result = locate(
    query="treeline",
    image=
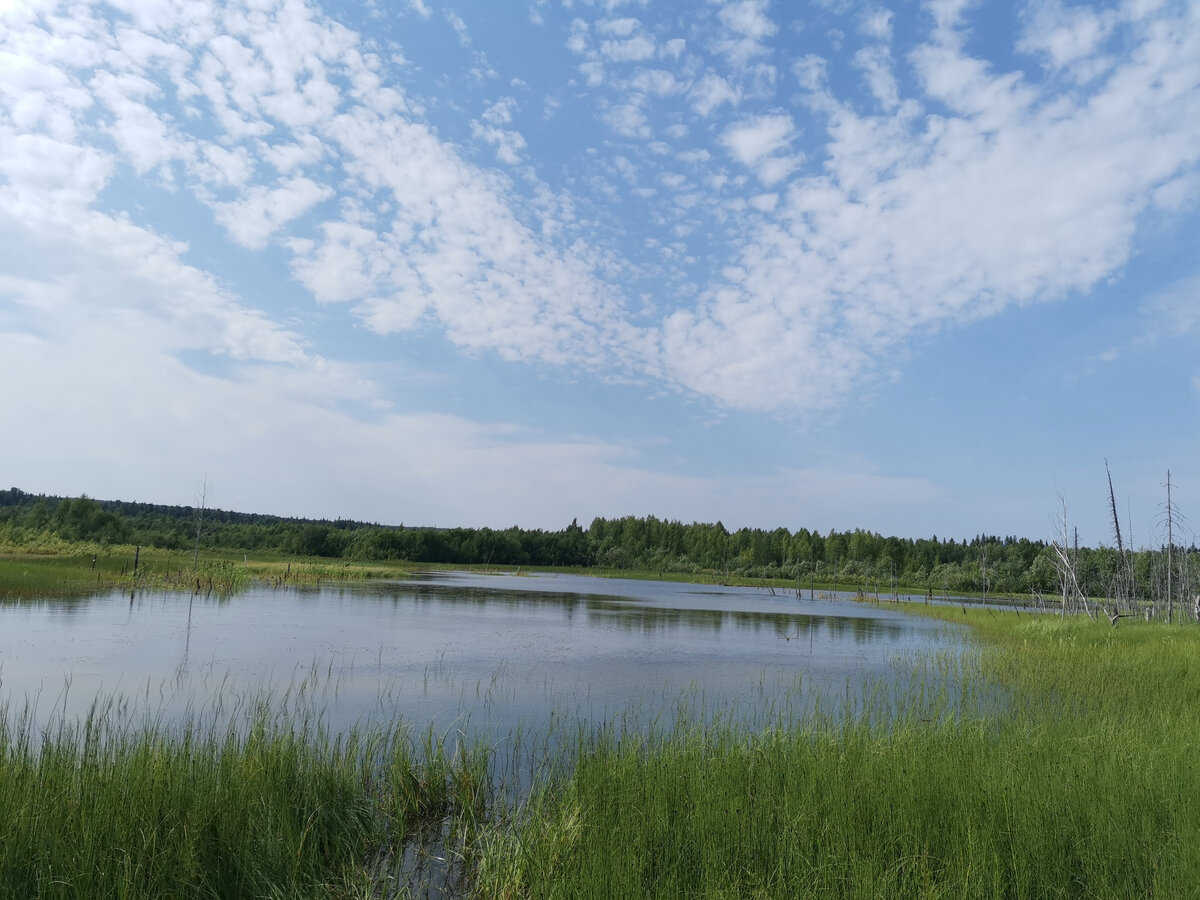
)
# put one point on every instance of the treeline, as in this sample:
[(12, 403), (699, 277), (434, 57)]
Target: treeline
[(863, 559)]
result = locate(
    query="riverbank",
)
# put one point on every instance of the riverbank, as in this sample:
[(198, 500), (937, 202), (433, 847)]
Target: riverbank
[(47, 566), (56, 569)]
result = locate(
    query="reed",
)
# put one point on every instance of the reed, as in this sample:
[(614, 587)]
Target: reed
[(267, 804), (30, 575), (1063, 766)]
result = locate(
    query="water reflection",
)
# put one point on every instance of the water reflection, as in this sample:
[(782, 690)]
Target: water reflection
[(632, 613), (499, 652)]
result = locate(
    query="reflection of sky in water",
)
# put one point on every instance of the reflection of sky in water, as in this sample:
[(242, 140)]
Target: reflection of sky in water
[(497, 651)]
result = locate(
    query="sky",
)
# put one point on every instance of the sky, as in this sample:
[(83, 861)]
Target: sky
[(917, 268)]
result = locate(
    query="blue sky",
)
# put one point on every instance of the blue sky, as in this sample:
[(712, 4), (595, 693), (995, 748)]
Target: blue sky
[(918, 268)]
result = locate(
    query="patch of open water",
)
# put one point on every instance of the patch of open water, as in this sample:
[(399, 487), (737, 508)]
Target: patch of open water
[(485, 654)]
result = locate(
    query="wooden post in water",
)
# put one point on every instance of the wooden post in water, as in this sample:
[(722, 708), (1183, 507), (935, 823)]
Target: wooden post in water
[(137, 552)]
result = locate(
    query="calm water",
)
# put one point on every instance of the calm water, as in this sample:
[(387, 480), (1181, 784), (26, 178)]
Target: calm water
[(476, 652)]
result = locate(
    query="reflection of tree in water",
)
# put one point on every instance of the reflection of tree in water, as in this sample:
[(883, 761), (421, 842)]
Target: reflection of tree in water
[(459, 595), (652, 618), (781, 624), (67, 606), (630, 615)]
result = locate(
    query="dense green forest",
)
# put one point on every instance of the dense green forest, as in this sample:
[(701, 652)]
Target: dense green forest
[(985, 564)]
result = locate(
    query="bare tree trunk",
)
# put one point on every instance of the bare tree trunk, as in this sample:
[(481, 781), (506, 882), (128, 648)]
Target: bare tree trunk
[(983, 572), (1170, 541), (1122, 587), (1066, 574), (200, 521), (1112, 500)]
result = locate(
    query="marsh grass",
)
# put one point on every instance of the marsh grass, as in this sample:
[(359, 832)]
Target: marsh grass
[(29, 575), (51, 568), (266, 804), (1065, 765)]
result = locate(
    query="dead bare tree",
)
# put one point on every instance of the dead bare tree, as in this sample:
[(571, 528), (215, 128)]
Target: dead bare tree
[(1172, 521), (203, 501), (984, 579), (1122, 586), (1067, 564), (1170, 544)]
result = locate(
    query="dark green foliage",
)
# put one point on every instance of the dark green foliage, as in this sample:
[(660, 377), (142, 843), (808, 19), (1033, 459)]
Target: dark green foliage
[(855, 559)]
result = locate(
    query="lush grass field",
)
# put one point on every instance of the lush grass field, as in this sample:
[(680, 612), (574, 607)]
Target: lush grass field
[(1076, 775)]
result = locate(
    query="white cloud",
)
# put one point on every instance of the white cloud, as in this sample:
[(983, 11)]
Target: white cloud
[(261, 211), (674, 48), (593, 71), (628, 119), (756, 142), (509, 144), (266, 437), (500, 112), (286, 158), (1175, 311), (656, 82), (875, 63), (765, 202), (1069, 38), (621, 28), (577, 41), (48, 177), (346, 265), (746, 26), (919, 220), (710, 92), (877, 24), (811, 72), (451, 241), (984, 188), (635, 49), (459, 26), (108, 270)]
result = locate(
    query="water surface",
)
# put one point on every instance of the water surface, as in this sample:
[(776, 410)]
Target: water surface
[(485, 653)]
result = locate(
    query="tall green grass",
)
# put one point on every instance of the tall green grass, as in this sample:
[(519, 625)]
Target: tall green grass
[(268, 805), (27, 576), (1073, 772)]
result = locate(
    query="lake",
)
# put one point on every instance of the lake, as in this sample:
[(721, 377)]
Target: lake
[(481, 654)]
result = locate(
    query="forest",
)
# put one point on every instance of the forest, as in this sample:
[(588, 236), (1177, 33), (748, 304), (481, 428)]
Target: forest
[(985, 564)]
